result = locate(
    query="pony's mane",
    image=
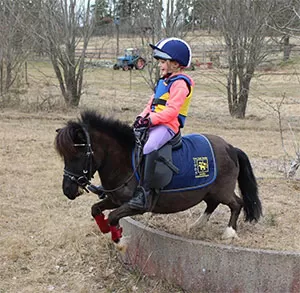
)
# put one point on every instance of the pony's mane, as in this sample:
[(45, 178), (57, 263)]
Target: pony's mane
[(91, 120), (115, 128)]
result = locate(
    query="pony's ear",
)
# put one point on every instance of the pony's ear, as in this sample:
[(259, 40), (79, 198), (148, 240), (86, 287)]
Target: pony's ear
[(58, 130)]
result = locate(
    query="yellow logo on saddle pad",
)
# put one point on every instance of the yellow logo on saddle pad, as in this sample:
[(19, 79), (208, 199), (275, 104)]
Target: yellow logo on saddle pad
[(201, 167)]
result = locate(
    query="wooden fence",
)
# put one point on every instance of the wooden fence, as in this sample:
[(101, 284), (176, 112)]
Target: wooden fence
[(203, 53)]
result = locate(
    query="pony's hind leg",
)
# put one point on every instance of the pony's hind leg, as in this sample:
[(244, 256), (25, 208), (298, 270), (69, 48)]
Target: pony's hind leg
[(204, 218), (235, 207)]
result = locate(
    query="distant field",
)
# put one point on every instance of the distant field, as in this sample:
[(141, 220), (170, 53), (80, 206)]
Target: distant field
[(205, 47)]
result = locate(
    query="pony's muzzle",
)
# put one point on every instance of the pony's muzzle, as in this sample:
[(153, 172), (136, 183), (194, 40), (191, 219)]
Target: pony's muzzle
[(71, 189)]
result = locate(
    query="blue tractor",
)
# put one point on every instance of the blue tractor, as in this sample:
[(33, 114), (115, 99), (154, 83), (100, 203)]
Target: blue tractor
[(130, 60)]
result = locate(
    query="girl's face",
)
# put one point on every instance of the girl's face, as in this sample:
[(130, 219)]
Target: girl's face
[(167, 66), (163, 66)]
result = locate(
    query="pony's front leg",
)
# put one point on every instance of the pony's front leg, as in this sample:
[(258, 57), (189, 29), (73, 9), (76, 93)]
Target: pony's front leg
[(97, 213), (114, 218)]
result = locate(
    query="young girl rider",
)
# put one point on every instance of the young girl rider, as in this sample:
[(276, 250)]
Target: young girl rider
[(166, 110)]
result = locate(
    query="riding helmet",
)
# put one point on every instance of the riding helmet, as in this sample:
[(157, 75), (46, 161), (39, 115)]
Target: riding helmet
[(173, 49)]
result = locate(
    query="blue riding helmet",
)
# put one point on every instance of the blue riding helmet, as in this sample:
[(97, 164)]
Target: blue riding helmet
[(173, 49)]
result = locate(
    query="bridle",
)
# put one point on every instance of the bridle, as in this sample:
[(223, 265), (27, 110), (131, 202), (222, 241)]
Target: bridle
[(83, 179)]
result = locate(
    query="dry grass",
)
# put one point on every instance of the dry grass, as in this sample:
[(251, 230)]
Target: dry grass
[(47, 242), (50, 244)]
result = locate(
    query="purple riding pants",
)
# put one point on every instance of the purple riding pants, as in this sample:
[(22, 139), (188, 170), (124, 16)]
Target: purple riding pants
[(158, 136)]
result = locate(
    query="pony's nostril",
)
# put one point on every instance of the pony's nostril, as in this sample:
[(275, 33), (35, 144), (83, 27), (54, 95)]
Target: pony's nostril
[(70, 191)]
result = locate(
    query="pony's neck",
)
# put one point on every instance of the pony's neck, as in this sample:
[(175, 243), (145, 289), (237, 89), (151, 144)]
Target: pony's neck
[(115, 167)]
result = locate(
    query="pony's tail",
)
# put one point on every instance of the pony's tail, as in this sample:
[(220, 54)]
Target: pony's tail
[(248, 188)]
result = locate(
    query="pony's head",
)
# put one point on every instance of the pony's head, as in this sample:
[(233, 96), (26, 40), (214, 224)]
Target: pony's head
[(73, 144), (81, 154)]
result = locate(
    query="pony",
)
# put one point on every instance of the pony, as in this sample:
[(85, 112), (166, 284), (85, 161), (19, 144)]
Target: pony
[(96, 143)]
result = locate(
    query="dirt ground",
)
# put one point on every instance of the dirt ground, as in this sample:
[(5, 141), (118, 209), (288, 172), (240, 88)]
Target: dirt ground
[(276, 230), (51, 244)]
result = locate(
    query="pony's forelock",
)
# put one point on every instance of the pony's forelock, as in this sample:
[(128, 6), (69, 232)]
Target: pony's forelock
[(64, 141)]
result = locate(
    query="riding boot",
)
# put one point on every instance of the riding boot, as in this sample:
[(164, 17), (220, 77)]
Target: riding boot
[(144, 195)]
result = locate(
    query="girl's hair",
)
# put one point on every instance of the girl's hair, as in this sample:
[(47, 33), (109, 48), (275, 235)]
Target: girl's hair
[(173, 66)]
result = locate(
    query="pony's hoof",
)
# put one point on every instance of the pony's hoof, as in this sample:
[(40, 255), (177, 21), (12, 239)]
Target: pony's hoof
[(229, 233), (122, 245)]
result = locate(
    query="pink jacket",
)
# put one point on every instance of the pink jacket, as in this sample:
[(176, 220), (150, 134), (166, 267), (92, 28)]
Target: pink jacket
[(178, 93)]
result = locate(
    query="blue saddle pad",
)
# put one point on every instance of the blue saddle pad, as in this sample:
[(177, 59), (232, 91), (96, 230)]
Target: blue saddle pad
[(196, 163)]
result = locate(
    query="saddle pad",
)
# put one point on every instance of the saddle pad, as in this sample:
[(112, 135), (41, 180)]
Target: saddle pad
[(196, 163)]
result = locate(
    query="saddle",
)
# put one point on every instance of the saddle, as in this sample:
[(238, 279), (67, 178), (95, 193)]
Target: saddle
[(164, 168)]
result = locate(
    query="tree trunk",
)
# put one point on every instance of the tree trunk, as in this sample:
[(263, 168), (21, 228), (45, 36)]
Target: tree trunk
[(238, 100), (62, 32), (8, 81), (286, 48), (1, 77)]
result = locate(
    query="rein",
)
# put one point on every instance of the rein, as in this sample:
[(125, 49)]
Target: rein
[(120, 186), (141, 136), (84, 180)]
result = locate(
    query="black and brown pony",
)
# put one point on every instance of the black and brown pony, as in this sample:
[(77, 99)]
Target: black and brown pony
[(96, 143)]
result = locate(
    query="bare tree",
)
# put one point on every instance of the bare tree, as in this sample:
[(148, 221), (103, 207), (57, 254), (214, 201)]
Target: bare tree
[(156, 19), (67, 26), (15, 40), (202, 16), (285, 23), (178, 17), (148, 23), (243, 26)]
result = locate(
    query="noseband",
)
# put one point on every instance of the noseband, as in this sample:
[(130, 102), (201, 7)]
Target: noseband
[(83, 179)]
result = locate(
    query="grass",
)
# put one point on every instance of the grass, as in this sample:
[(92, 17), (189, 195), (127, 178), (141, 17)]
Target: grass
[(271, 219)]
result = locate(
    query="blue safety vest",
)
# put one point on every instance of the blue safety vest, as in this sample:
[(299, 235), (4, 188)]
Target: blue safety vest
[(162, 94)]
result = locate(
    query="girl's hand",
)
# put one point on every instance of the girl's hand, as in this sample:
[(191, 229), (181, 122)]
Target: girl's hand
[(142, 122), (136, 122)]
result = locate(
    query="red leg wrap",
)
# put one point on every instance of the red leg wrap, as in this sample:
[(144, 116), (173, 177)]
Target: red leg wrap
[(102, 223), (116, 233)]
